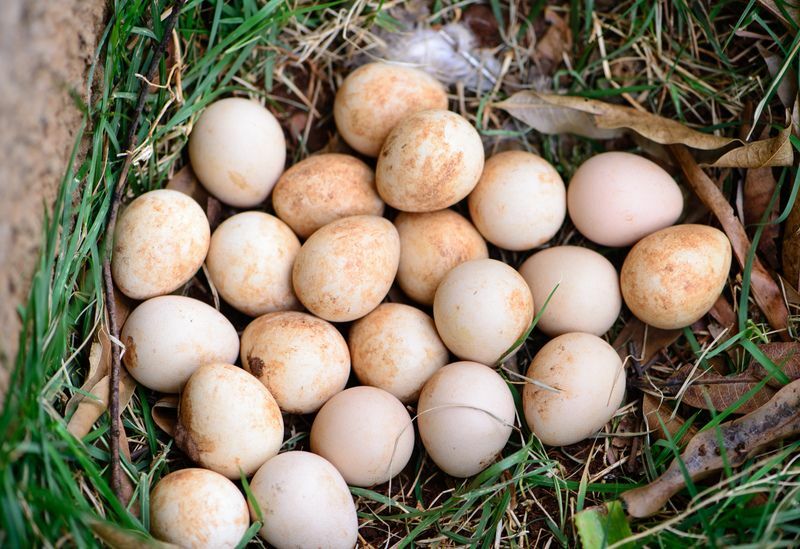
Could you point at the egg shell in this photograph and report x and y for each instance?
(591, 379)
(160, 241)
(375, 97)
(672, 278)
(429, 161)
(366, 433)
(250, 262)
(198, 509)
(301, 359)
(585, 287)
(323, 188)
(345, 269)
(168, 337)
(431, 244)
(520, 201)
(238, 151)
(228, 421)
(481, 308)
(617, 198)
(466, 413)
(396, 348)
(304, 502)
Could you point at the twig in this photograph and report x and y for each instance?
(108, 282)
(765, 290)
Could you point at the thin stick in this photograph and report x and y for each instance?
(108, 282)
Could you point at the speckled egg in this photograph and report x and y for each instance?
(672, 278)
(301, 359)
(250, 262)
(228, 421)
(520, 201)
(396, 348)
(198, 509)
(366, 433)
(584, 286)
(430, 161)
(617, 198)
(466, 413)
(160, 242)
(345, 269)
(304, 502)
(375, 97)
(168, 337)
(431, 244)
(238, 151)
(590, 382)
(323, 188)
(481, 308)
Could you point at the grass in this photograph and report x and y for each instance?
(695, 62)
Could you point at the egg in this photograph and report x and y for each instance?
(198, 509)
(584, 286)
(590, 379)
(376, 96)
(168, 337)
(520, 201)
(466, 413)
(238, 151)
(345, 269)
(160, 241)
(481, 308)
(304, 502)
(431, 244)
(324, 188)
(617, 198)
(672, 278)
(366, 433)
(250, 262)
(228, 421)
(301, 359)
(429, 161)
(396, 348)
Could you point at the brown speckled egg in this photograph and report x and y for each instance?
(250, 262)
(324, 188)
(481, 308)
(366, 433)
(238, 151)
(466, 413)
(430, 245)
(589, 376)
(345, 269)
(376, 96)
(584, 286)
(430, 160)
(396, 348)
(671, 278)
(304, 502)
(301, 359)
(228, 421)
(160, 242)
(617, 198)
(168, 337)
(520, 201)
(198, 509)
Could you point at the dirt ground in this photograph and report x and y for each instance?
(45, 50)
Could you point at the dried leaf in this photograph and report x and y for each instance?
(557, 39)
(90, 408)
(790, 258)
(712, 391)
(731, 443)
(785, 355)
(186, 181)
(165, 413)
(550, 113)
(647, 341)
(657, 412)
(723, 313)
(99, 367)
(787, 88)
(481, 21)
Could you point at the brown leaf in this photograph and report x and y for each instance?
(787, 88)
(759, 186)
(723, 313)
(99, 367)
(711, 391)
(657, 412)
(787, 7)
(785, 355)
(790, 257)
(557, 39)
(481, 21)
(550, 113)
(165, 413)
(90, 408)
(186, 181)
(765, 290)
(647, 341)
